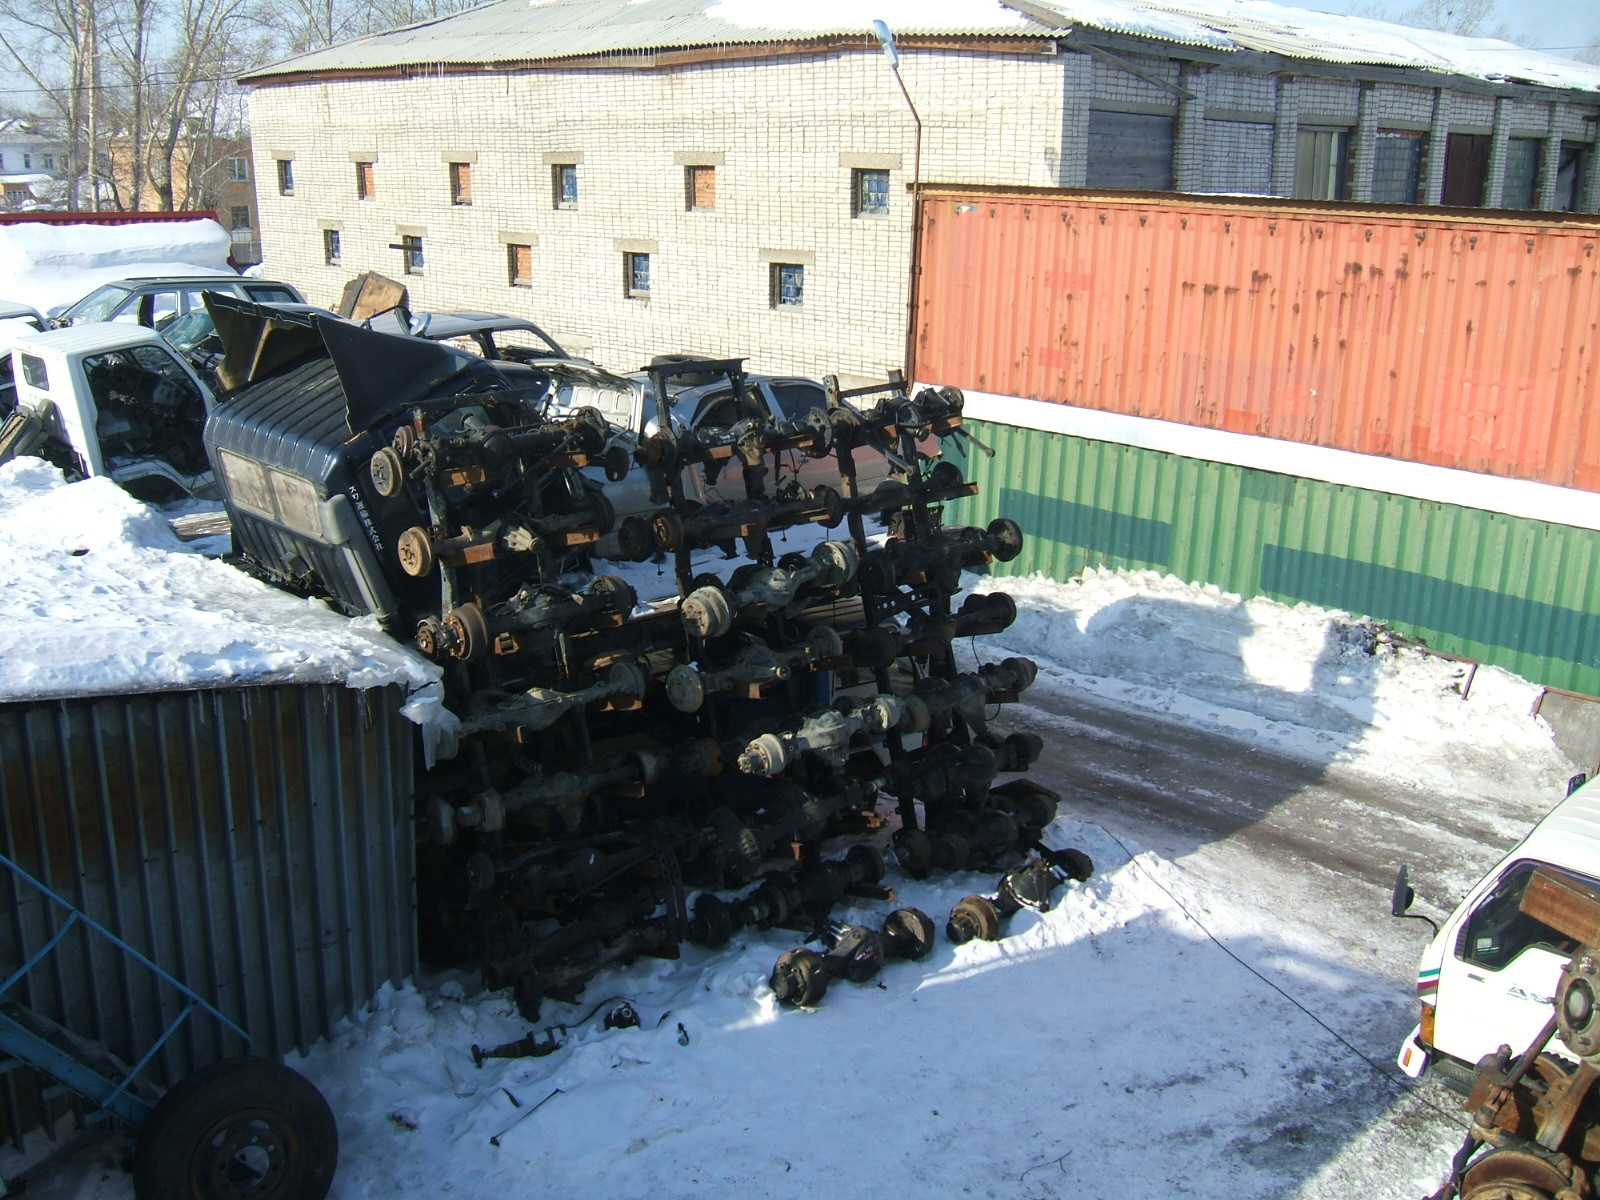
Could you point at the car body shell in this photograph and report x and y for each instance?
(53, 386)
(157, 302)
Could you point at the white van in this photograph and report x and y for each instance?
(1489, 976)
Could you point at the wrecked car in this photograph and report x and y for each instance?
(492, 335)
(156, 301)
(111, 400)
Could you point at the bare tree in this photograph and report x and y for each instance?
(312, 24)
(1591, 52)
(1465, 18)
(56, 46)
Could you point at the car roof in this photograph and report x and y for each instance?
(135, 280)
(95, 335)
(436, 326)
(10, 310)
(1569, 834)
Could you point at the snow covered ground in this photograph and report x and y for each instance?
(1193, 1020)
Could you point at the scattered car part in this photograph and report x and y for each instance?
(1029, 886)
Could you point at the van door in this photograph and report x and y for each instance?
(1498, 982)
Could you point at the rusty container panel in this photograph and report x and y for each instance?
(256, 842)
(1441, 338)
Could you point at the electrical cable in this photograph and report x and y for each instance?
(1378, 1069)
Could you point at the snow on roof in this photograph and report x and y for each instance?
(1327, 37)
(538, 30)
(102, 598)
(27, 177)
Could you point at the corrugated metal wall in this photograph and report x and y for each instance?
(1522, 594)
(1459, 341)
(256, 842)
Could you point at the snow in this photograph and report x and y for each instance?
(102, 598)
(1311, 684)
(1302, 33)
(48, 266)
(1184, 1019)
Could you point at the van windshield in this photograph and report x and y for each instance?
(1499, 930)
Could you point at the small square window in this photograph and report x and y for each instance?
(286, 177)
(460, 183)
(788, 285)
(564, 177)
(238, 169)
(411, 253)
(48, 162)
(519, 265)
(239, 216)
(366, 181)
(869, 193)
(330, 247)
(636, 275)
(700, 188)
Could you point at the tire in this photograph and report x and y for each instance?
(241, 1129)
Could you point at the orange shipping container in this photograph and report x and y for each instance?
(1436, 336)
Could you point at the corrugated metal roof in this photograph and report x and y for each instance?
(533, 30)
(514, 31)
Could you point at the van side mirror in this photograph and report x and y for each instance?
(1400, 900)
(1577, 781)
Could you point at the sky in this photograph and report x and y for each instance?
(1558, 26)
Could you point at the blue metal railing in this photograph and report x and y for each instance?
(21, 1037)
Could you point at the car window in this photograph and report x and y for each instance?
(272, 295)
(716, 408)
(525, 344)
(1498, 930)
(98, 305)
(162, 308)
(189, 330)
(795, 398)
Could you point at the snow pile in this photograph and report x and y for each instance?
(103, 598)
(1310, 682)
(49, 266)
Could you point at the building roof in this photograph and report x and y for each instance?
(509, 32)
(18, 131)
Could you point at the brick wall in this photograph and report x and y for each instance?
(783, 193)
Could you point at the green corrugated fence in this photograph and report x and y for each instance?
(1521, 594)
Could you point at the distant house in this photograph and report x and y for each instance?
(218, 176)
(29, 161)
(732, 177)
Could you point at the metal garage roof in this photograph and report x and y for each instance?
(524, 31)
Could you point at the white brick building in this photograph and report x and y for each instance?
(667, 175)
